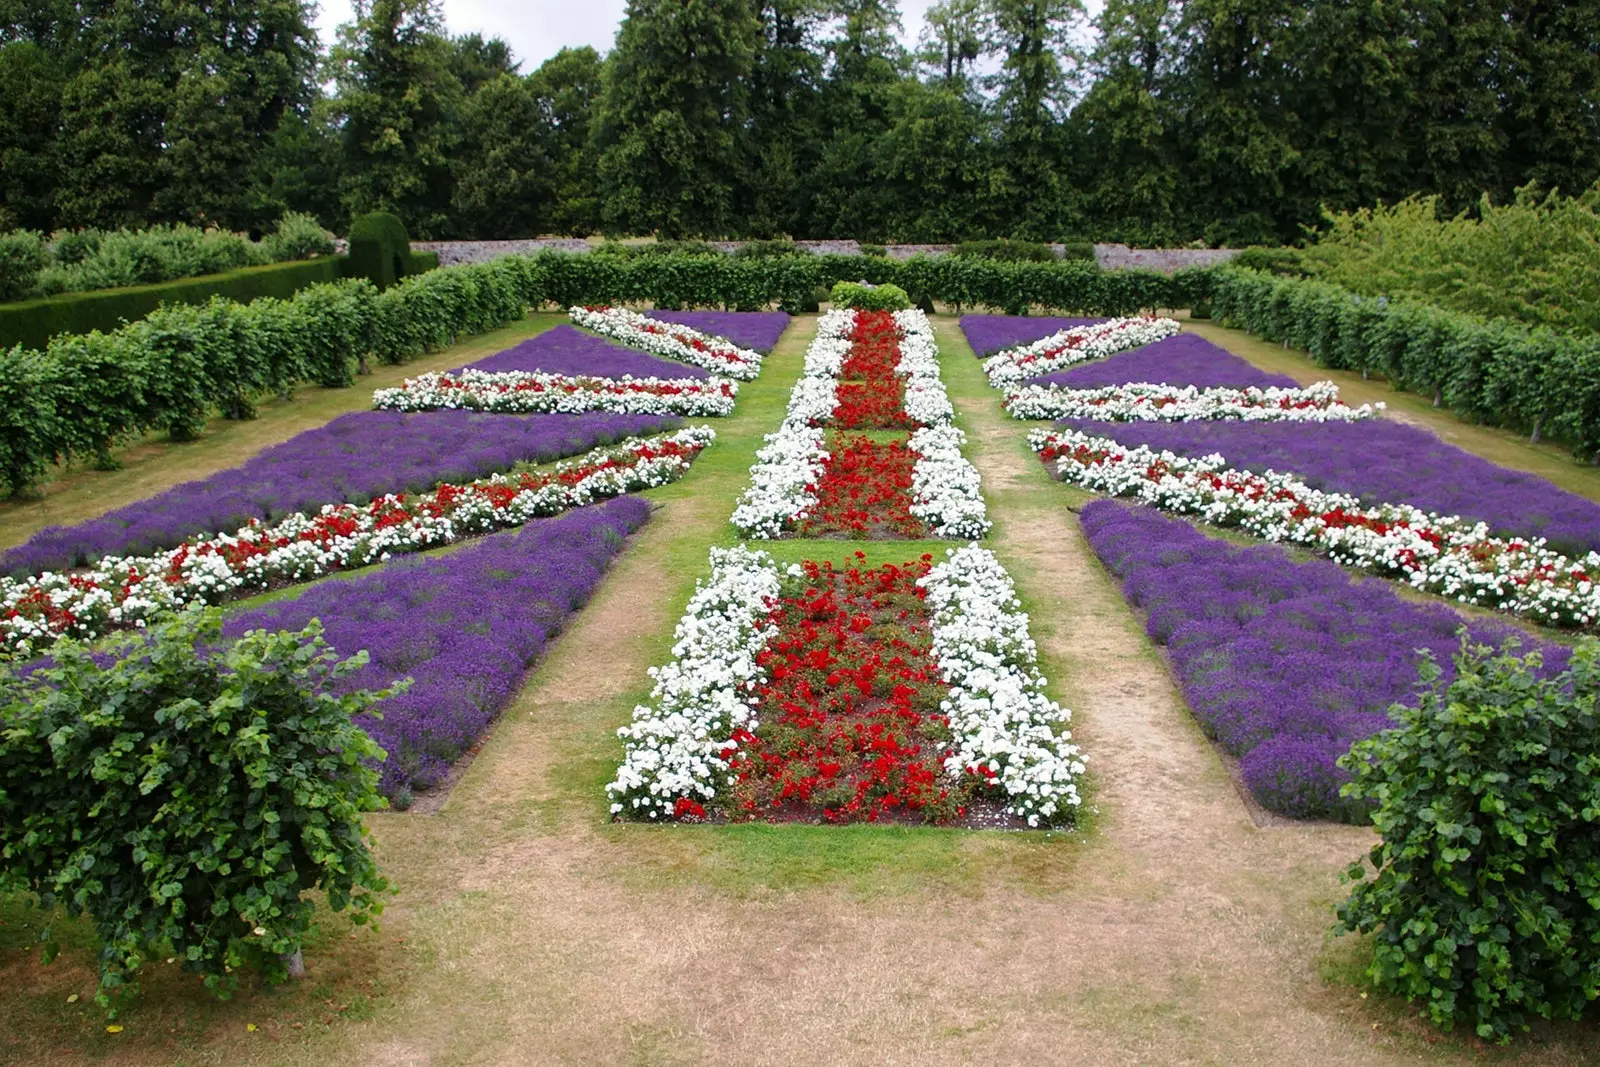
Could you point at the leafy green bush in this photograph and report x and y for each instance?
(1007, 251)
(768, 249)
(1500, 372)
(868, 249)
(185, 794)
(1485, 904)
(869, 297)
(1288, 261)
(1078, 250)
(22, 256)
(118, 258)
(1536, 260)
(298, 236)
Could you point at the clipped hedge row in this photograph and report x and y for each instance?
(1496, 371)
(790, 281)
(34, 322)
(82, 395)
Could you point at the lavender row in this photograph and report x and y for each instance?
(352, 459)
(568, 350)
(1284, 663)
(1383, 462)
(1183, 359)
(759, 330)
(988, 334)
(464, 625)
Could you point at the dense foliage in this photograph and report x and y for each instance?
(1485, 904)
(75, 261)
(886, 297)
(1160, 123)
(184, 794)
(1495, 371)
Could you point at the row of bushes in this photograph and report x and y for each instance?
(1499, 372)
(82, 395)
(72, 261)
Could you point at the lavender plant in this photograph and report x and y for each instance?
(1180, 360)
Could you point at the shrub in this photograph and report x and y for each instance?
(869, 297)
(868, 249)
(1288, 261)
(1008, 251)
(22, 255)
(182, 792)
(380, 249)
(768, 249)
(1078, 250)
(1485, 905)
(298, 236)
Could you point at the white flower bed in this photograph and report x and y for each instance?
(1004, 727)
(670, 339)
(783, 481)
(1445, 555)
(1072, 346)
(945, 487)
(678, 745)
(129, 590)
(1147, 402)
(533, 392)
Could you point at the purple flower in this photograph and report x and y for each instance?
(1382, 462)
(758, 330)
(1183, 359)
(352, 459)
(988, 334)
(464, 625)
(569, 350)
(1284, 663)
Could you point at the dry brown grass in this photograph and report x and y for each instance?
(1172, 932)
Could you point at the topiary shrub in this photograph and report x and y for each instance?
(1485, 905)
(22, 257)
(380, 249)
(865, 297)
(184, 794)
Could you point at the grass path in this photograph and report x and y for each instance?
(155, 463)
(530, 930)
(1498, 446)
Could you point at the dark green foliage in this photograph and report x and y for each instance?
(22, 256)
(869, 297)
(297, 236)
(768, 249)
(1485, 904)
(1078, 250)
(380, 249)
(1008, 251)
(1272, 260)
(184, 795)
(34, 322)
(1494, 371)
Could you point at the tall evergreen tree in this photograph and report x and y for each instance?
(865, 64)
(672, 115)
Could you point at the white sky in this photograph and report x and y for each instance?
(538, 29)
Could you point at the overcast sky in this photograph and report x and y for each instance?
(538, 29)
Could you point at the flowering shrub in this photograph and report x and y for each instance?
(1143, 401)
(1439, 554)
(1077, 345)
(128, 590)
(520, 392)
(670, 339)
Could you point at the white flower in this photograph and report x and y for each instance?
(1075, 345)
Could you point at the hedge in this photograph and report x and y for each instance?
(1492, 371)
(34, 322)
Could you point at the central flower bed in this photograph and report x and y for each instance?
(865, 491)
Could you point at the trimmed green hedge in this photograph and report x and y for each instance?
(34, 322)
(380, 249)
(1497, 371)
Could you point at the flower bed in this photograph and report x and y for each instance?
(803, 481)
(854, 694)
(567, 350)
(330, 464)
(127, 590)
(1284, 663)
(1318, 402)
(1070, 347)
(756, 330)
(517, 392)
(465, 627)
(1184, 359)
(1379, 461)
(682, 343)
(988, 334)
(1438, 554)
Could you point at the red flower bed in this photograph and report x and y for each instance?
(874, 348)
(850, 728)
(865, 491)
(876, 405)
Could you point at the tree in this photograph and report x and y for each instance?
(784, 138)
(568, 87)
(954, 34)
(674, 106)
(31, 82)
